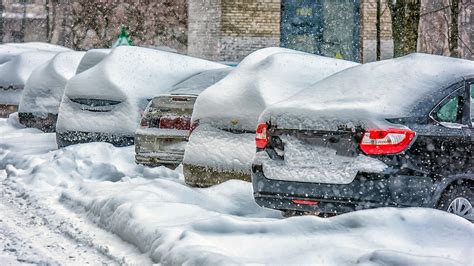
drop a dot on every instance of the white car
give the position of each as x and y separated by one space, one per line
13 76
221 145
44 90
105 102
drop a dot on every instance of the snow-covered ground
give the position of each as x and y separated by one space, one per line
91 203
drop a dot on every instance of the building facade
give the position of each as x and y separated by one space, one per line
228 30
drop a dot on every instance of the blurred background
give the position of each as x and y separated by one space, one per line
229 30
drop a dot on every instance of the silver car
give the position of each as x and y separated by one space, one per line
162 136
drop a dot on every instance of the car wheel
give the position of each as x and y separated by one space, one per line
458 199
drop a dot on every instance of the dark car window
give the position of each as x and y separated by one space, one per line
450 111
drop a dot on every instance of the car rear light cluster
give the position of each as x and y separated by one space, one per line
386 141
193 126
261 138
144 122
180 123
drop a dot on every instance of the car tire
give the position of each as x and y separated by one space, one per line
459 199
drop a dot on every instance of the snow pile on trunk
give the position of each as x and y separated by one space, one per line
262 78
15 72
45 87
370 91
131 76
92 58
174 224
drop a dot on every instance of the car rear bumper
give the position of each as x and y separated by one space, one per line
46 123
201 176
365 191
170 160
76 137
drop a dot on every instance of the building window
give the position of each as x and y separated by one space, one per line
324 27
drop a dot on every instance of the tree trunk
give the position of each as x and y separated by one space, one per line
454 29
405 20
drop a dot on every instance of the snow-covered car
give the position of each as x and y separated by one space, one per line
105 102
394 133
44 90
221 145
10 50
164 128
13 76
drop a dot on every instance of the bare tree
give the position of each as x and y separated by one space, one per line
445 26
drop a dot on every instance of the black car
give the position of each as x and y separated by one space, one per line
395 133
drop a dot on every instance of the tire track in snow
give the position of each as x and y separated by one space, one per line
50 234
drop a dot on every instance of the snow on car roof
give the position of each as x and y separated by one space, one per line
135 72
199 82
264 77
40 46
18 69
92 58
389 88
45 87
9 50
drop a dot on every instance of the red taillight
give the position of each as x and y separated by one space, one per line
386 141
261 138
144 122
305 202
193 126
180 123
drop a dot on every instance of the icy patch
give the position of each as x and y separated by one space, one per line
316 164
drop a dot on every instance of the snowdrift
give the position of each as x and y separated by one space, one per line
45 87
129 76
15 72
375 90
175 224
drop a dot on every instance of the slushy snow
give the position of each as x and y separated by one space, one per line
152 209
45 87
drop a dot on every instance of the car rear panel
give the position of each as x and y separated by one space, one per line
316 157
163 139
329 168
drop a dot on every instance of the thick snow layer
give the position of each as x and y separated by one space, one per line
129 75
199 82
300 164
220 150
388 89
92 58
45 87
9 50
264 77
172 223
16 71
